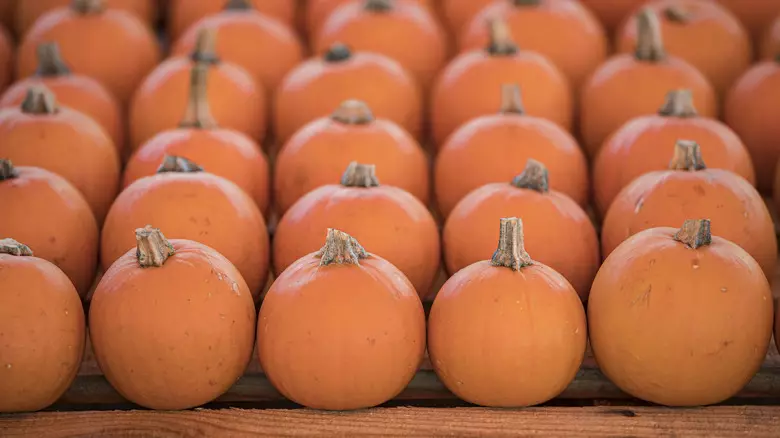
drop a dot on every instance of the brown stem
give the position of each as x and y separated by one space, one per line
205 46
687 156
39 100
534 177
198 114
353 112
511 99
360 175
7 170
50 61
649 41
501 42
511 250
694 233
341 248
153 249
378 5
676 14
238 5
526 2
338 52
678 103
172 163
14 248
88 6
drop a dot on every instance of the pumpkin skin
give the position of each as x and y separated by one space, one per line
550 217
63 141
318 154
341 329
317 86
7 58
183 13
704 336
480 306
487 149
42 318
193 205
27 12
636 148
632 85
458 94
458 13
8 13
612 13
769 46
317 11
660 198
121 48
755 15
173 336
532 23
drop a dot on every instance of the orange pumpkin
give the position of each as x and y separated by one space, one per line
680 317
688 188
182 13
318 153
42 323
635 148
27 12
318 85
459 93
236 101
487 149
317 11
632 85
265 47
39 133
517 309
341 328
611 13
567 33
749 110
755 15
559 231
172 323
7 58
769 46
79 92
458 13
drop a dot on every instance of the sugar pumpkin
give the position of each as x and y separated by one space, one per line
680 317
516 308
171 323
637 147
559 232
769 45
341 328
42 320
458 13
632 85
494 148
612 13
689 188
755 15
27 12
317 11
192 204
183 13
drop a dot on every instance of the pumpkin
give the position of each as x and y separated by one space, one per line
769 45
755 15
27 12
318 85
459 93
404 31
758 88
8 13
225 152
317 11
579 44
317 154
341 328
387 219
7 58
612 13
660 198
274 48
704 34
560 233
706 333
52 216
192 204
79 92
458 13
236 101
42 322
519 310
631 85
40 133
637 148
182 13
487 149
172 323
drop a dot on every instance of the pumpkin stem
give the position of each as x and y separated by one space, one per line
173 163
649 42
534 177
353 112
238 5
378 5
687 156
676 14
511 249
338 52
87 6
520 3
39 100
501 42
341 248
511 99
50 61
198 114
678 103
7 170
14 248
205 46
153 249
360 175
694 233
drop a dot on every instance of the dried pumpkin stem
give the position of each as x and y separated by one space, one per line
14 248
39 100
378 5
338 52
511 250
360 175
152 247
649 42
50 61
172 163
341 248
7 170
534 177
677 14
694 233
205 46
687 156
238 5
511 99
501 42
353 112
198 114
88 6
678 103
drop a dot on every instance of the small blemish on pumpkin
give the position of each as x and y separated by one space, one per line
699 190
52 239
8 365
651 262
724 290
639 204
371 341
695 263
67 313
